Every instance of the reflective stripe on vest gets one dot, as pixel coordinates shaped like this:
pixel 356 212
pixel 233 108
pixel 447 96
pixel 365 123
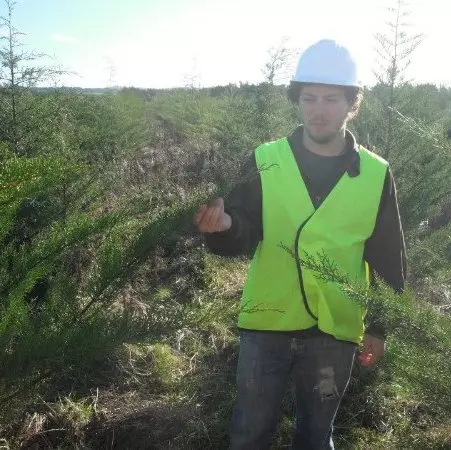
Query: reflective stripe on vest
pixel 284 296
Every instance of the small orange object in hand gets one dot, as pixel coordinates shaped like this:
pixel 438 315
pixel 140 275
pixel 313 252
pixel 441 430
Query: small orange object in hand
pixel 373 349
pixel 365 358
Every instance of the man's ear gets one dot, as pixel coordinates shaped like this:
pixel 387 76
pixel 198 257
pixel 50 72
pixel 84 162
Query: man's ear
pixel 352 112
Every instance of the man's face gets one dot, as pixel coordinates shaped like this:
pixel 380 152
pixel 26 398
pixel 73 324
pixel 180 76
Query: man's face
pixel 324 110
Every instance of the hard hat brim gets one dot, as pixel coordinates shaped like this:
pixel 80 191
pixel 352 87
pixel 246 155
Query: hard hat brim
pixel 319 80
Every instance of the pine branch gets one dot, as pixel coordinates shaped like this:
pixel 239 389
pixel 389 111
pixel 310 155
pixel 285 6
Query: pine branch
pixel 327 270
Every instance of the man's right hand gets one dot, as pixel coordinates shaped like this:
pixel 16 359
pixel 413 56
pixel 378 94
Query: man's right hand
pixel 212 218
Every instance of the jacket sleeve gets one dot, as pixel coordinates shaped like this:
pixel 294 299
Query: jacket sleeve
pixel 244 204
pixel 385 250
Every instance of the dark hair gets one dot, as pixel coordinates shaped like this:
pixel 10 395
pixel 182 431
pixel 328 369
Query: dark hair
pixel 354 95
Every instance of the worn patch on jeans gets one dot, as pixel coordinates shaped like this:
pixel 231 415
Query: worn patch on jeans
pixel 326 387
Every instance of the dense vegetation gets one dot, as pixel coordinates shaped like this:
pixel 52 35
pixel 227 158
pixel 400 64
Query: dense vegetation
pixel 116 325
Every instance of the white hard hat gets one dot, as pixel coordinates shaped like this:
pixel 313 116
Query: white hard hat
pixel 327 62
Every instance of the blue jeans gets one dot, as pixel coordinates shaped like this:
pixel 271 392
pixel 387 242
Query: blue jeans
pixel 321 369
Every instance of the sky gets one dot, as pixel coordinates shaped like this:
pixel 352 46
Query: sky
pixel 166 43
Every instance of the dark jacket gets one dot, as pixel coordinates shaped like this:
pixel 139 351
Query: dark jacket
pixel 384 250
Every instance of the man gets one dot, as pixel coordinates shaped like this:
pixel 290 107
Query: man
pixel 316 193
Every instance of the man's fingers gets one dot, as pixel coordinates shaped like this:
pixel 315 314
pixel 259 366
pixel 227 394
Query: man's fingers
pixel 219 202
pixel 200 214
pixel 207 221
pixel 217 212
pixel 208 217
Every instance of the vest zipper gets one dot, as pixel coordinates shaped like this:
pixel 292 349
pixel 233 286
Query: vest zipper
pixel 299 268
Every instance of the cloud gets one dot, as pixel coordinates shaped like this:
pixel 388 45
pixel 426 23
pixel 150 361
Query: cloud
pixel 58 37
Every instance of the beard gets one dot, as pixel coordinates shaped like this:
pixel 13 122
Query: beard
pixel 323 139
